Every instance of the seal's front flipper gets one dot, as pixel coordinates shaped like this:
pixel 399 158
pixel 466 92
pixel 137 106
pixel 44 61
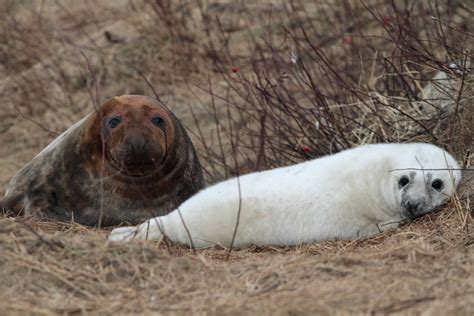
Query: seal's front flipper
pixel 12 205
pixel 376 228
pixel 57 213
pixel 123 233
pixel 149 230
pixel 39 208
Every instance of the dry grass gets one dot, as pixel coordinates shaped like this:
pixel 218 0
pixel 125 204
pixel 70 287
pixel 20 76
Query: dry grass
pixel 370 86
pixel 424 267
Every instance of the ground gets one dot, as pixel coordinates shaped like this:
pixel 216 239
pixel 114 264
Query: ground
pixel 58 57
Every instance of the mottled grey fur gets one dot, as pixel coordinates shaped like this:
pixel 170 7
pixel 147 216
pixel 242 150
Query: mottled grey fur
pixel 59 184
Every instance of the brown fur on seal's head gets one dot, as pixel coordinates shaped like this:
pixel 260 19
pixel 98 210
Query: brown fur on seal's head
pixel 130 160
pixel 136 133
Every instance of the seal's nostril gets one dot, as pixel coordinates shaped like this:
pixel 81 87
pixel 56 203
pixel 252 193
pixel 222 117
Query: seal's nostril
pixel 416 206
pixel 413 207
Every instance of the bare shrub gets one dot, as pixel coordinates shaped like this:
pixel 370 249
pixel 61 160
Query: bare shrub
pixel 315 85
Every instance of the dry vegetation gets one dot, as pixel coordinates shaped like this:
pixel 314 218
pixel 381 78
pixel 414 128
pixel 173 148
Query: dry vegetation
pixel 259 85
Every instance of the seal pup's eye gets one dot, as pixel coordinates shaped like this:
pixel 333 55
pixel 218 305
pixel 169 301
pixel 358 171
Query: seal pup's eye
pixel 437 184
pixel 114 122
pixel 403 181
pixel 158 121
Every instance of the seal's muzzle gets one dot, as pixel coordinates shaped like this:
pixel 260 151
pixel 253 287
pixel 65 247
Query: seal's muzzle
pixel 413 208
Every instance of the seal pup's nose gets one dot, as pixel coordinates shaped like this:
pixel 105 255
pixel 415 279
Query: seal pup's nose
pixel 412 207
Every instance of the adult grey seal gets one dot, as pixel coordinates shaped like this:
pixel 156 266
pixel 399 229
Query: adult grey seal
pixel 128 161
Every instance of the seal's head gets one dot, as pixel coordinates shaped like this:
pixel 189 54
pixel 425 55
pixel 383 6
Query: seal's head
pixel 424 180
pixel 137 133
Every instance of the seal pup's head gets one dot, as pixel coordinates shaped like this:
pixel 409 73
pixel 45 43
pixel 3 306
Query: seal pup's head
pixel 425 178
pixel 137 133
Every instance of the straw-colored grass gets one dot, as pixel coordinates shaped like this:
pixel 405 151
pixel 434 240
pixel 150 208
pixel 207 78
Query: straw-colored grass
pixel 424 267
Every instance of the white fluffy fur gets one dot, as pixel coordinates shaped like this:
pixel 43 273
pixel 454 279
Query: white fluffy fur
pixel 352 194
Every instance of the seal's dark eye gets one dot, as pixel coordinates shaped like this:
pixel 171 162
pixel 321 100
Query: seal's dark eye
pixel 158 121
pixel 437 184
pixel 114 122
pixel 403 181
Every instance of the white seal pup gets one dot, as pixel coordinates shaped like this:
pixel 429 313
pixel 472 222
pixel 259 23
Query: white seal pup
pixel 352 194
